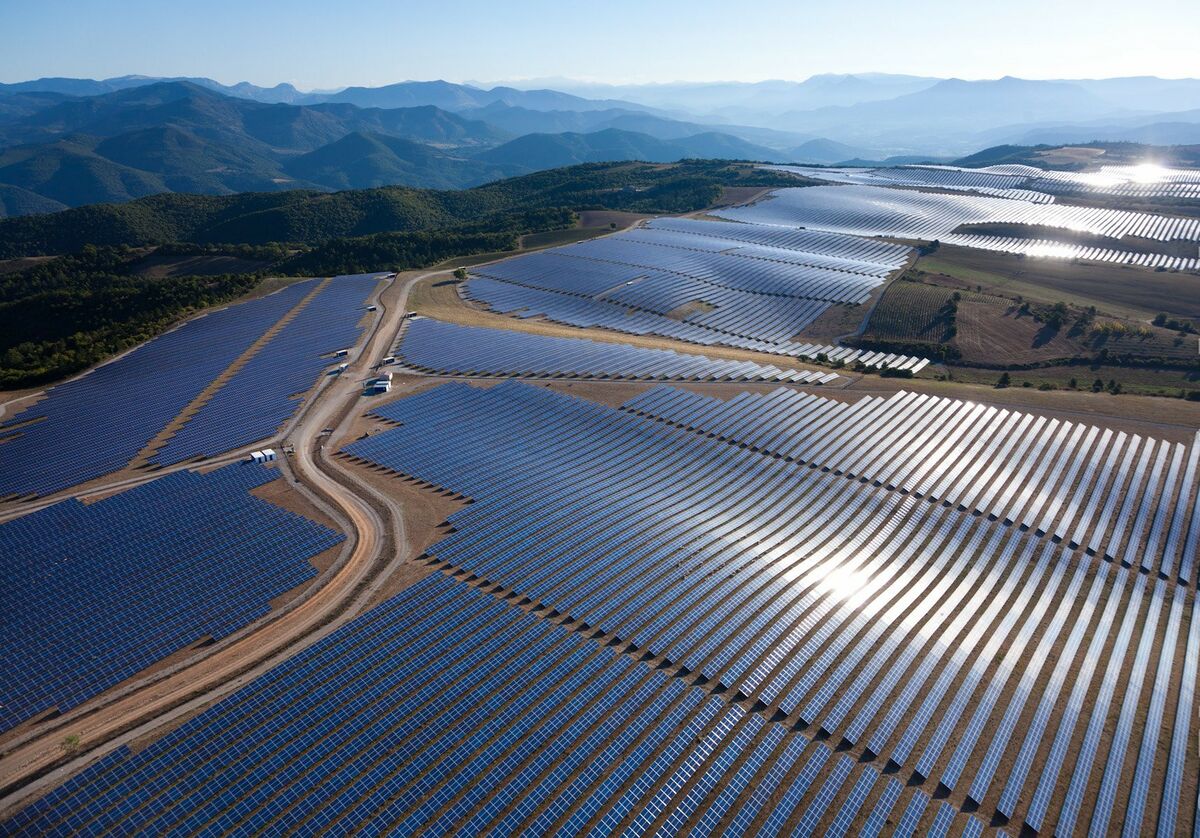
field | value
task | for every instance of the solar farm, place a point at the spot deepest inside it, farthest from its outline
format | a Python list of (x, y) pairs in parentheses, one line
[(883, 211), (747, 286), (624, 544), (260, 355)]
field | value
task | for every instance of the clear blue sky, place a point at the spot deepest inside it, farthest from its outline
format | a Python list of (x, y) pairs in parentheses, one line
[(370, 42)]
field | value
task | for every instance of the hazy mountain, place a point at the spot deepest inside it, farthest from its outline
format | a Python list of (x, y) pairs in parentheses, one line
[(94, 87), (518, 120), (1145, 93), (825, 152), (460, 97), (951, 114), (1152, 133), (360, 160), (754, 101), (548, 151)]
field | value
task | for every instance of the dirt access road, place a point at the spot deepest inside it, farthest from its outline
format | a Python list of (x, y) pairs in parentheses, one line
[(36, 762)]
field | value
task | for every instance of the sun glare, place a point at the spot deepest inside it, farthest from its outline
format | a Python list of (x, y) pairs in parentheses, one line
[(844, 582), (1147, 173)]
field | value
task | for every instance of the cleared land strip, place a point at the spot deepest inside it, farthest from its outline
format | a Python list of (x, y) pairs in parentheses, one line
[(142, 459)]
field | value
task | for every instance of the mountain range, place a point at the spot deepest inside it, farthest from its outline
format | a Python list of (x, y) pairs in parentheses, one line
[(68, 142)]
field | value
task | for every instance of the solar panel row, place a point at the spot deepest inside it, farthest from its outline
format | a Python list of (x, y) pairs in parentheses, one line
[(816, 594), (96, 424), (882, 211), (1020, 181), (676, 279), (262, 394), (448, 710), (95, 593), (448, 348), (1075, 482)]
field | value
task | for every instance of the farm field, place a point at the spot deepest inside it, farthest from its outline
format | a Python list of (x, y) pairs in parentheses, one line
[(1120, 290)]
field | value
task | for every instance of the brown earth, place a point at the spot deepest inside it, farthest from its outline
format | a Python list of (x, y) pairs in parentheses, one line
[(1120, 290)]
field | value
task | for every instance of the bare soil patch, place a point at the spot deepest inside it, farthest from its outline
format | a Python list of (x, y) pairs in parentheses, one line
[(1121, 290), (605, 218), (991, 332), (9, 266), (836, 322), (731, 195)]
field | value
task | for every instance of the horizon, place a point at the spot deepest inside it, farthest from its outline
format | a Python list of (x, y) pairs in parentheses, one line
[(573, 83), (371, 43)]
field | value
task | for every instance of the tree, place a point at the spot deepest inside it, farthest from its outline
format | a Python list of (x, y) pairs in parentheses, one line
[(1097, 385), (1004, 380), (460, 274)]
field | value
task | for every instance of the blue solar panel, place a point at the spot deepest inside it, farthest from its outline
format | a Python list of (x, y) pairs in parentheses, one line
[(96, 424), (262, 394), (95, 593)]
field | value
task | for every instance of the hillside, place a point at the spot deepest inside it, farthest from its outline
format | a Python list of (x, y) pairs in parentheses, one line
[(1043, 156), (181, 137), (361, 160), (69, 312), (538, 151), (308, 217)]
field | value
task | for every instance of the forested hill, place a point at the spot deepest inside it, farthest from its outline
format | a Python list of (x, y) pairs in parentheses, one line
[(309, 218), (98, 296)]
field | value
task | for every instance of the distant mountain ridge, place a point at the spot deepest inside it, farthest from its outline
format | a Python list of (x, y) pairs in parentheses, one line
[(178, 136), (66, 142)]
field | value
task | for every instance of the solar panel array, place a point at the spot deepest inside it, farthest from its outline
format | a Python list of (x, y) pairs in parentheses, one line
[(262, 394), (450, 349), (95, 593), (880, 211), (99, 423), (1021, 182), (447, 710), (96, 424), (980, 181), (1116, 494), (824, 559), (710, 283)]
